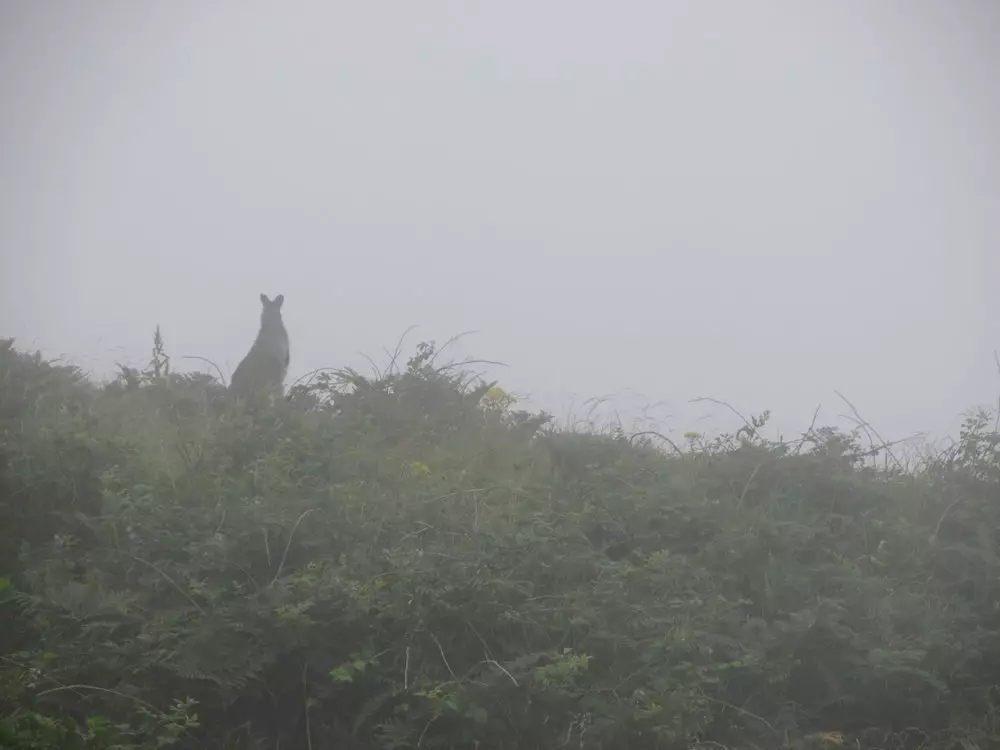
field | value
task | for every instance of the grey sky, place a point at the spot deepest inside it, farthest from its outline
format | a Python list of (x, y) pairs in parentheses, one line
[(756, 201)]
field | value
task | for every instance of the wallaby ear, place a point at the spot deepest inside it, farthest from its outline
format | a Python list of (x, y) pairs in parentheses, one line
[(278, 300), (264, 300)]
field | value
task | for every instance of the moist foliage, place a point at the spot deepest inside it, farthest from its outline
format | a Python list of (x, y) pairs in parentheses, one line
[(408, 560)]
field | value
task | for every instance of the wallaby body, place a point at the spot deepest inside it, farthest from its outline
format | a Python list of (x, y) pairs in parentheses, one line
[(266, 364)]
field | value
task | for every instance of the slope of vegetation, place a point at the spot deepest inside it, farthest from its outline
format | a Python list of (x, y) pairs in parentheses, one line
[(409, 561)]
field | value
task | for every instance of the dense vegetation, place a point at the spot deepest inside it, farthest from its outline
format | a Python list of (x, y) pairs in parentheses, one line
[(409, 561)]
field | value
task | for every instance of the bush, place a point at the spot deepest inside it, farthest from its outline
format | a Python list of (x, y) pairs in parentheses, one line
[(408, 560)]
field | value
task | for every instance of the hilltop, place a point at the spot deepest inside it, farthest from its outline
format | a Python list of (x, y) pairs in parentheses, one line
[(410, 560)]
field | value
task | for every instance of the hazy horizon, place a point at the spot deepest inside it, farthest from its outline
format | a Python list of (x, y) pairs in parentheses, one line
[(763, 203)]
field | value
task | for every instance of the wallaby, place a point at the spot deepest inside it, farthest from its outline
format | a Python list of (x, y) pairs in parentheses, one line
[(266, 364)]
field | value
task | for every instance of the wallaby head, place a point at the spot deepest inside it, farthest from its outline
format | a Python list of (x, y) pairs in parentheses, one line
[(270, 316)]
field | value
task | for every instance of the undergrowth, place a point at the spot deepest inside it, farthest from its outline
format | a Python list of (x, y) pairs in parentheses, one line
[(410, 561)]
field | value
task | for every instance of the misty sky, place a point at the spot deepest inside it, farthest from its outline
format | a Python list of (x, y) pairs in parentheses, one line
[(760, 201)]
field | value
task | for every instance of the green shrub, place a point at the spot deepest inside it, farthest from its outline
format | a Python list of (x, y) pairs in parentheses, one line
[(409, 561)]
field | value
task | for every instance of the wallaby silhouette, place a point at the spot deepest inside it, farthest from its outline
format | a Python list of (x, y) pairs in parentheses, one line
[(266, 364)]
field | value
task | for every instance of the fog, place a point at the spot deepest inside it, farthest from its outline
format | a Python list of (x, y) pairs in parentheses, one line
[(765, 202)]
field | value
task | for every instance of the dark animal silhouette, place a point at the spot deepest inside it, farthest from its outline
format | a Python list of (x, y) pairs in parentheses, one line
[(266, 364)]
